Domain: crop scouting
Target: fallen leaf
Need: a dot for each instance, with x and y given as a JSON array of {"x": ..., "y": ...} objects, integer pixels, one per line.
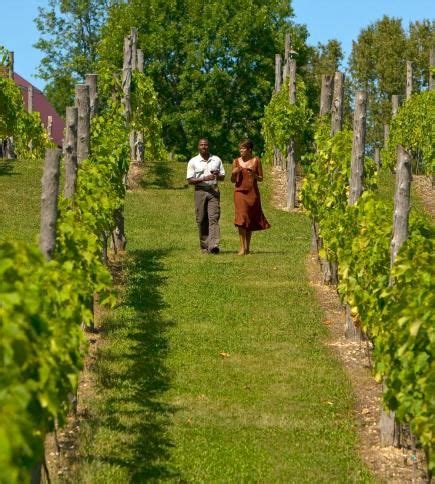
[{"x": 224, "y": 355}]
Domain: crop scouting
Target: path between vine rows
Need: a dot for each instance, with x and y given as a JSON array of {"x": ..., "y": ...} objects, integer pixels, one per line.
[{"x": 214, "y": 368}]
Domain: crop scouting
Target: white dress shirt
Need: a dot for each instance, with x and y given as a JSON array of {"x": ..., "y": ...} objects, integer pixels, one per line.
[{"x": 198, "y": 167}]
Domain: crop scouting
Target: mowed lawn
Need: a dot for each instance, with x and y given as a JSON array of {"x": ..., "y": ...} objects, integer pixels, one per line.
[{"x": 213, "y": 368}]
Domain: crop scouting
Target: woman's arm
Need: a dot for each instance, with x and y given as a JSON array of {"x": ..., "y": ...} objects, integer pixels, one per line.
[
  {"x": 259, "y": 170},
  {"x": 235, "y": 171}
]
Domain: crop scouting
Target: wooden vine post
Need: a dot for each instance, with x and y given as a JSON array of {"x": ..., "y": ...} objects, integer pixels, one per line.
[
  {"x": 408, "y": 79},
  {"x": 291, "y": 161},
  {"x": 91, "y": 80},
  {"x": 316, "y": 240},
  {"x": 133, "y": 47},
  {"x": 11, "y": 62},
  {"x": 82, "y": 102},
  {"x": 377, "y": 158},
  {"x": 49, "y": 126},
  {"x": 278, "y": 82},
  {"x": 336, "y": 126},
  {"x": 394, "y": 104},
  {"x": 431, "y": 69},
  {"x": 286, "y": 71},
  {"x": 139, "y": 143},
  {"x": 30, "y": 108},
  {"x": 277, "y": 72},
  {"x": 70, "y": 152},
  {"x": 337, "y": 103},
  {"x": 118, "y": 236},
  {"x": 326, "y": 94},
  {"x": 390, "y": 429},
  {"x": 50, "y": 189},
  {"x": 386, "y": 135},
  {"x": 356, "y": 182}
]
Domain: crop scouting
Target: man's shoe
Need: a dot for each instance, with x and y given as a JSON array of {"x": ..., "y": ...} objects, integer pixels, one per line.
[{"x": 214, "y": 250}]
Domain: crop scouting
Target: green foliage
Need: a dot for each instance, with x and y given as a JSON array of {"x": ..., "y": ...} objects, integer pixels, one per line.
[
  {"x": 40, "y": 338},
  {"x": 11, "y": 106},
  {"x": 398, "y": 317},
  {"x": 405, "y": 342},
  {"x": 43, "y": 304},
  {"x": 412, "y": 127},
  {"x": 283, "y": 121},
  {"x": 211, "y": 63},
  {"x": 15, "y": 121},
  {"x": 377, "y": 65},
  {"x": 146, "y": 116},
  {"x": 69, "y": 36}
]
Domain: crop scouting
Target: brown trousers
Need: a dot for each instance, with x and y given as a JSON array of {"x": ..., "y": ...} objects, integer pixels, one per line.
[{"x": 208, "y": 211}]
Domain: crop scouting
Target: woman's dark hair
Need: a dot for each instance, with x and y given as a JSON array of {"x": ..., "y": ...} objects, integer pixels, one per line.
[{"x": 246, "y": 143}]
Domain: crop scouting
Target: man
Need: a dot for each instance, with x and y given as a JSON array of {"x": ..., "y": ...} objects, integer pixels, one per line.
[{"x": 204, "y": 171}]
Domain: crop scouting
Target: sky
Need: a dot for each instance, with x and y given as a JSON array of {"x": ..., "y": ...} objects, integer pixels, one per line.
[{"x": 325, "y": 19}]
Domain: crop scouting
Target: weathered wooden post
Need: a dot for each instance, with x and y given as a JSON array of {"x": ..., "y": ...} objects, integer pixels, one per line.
[
  {"x": 30, "y": 108},
  {"x": 70, "y": 152},
  {"x": 11, "y": 62},
  {"x": 126, "y": 78},
  {"x": 331, "y": 270},
  {"x": 49, "y": 126},
  {"x": 30, "y": 99},
  {"x": 386, "y": 135},
  {"x": 118, "y": 235},
  {"x": 377, "y": 157},
  {"x": 358, "y": 147},
  {"x": 91, "y": 80},
  {"x": 356, "y": 182},
  {"x": 325, "y": 106},
  {"x": 140, "y": 60},
  {"x": 286, "y": 71},
  {"x": 50, "y": 189},
  {"x": 389, "y": 428},
  {"x": 326, "y": 94},
  {"x": 431, "y": 69},
  {"x": 277, "y": 72},
  {"x": 401, "y": 201},
  {"x": 394, "y": 104},
  {"x": 291, "y": 161},
  {"x": 408, "y": 79},
  {"x": 82, "y": 103},
  {"x": 139, "y": 146},
  {"x": 278, "y": 80},
  {"x": 133, "y": 46},
  {"x": 337, "y": 103}
]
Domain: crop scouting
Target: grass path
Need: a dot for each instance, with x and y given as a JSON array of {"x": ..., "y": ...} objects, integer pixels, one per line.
[{"x": 212, "y": 368}]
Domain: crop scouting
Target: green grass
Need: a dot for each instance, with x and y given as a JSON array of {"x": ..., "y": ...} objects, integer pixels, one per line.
[
  {"x": 20, "y": 188},
  {"x": 168, "y": 405},
  {"x": 386, "y": 188}
]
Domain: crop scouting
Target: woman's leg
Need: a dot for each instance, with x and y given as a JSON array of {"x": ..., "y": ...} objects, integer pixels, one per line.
[
  {"x": 248, "y": 241},
  {"x": 242, "y": 235}
]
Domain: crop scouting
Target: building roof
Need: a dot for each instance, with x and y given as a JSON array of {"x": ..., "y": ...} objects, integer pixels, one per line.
[{"x": 43, "y": 106}]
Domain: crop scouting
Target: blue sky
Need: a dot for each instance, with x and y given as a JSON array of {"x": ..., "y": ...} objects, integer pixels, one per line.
[{"x": 326, "y": 19}]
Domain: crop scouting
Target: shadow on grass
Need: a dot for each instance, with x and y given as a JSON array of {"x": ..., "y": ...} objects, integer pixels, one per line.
[
  {"x": 133, "y": 378},
  {"x": 6, "y": 167},
  {"x": 161, "y": 175}
]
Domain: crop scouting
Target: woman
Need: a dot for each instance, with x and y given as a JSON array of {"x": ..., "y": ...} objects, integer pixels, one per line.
[{"x": 246, "y": 172}]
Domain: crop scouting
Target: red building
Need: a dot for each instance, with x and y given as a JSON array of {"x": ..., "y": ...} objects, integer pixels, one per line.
[{"x": 42, "y": 105}]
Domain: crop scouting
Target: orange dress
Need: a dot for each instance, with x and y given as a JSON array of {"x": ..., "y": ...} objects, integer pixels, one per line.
[{"x": 247, "y": 202}]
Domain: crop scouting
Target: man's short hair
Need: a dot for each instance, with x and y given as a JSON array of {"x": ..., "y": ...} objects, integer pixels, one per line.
[{"x": 203, "y": 139}]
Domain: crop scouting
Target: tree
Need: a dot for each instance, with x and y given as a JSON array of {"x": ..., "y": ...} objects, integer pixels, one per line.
[
  {"x": 211, "y": 63},
  {"x": 70, "y": 32},
  {"x": 377, "y": 65}
]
